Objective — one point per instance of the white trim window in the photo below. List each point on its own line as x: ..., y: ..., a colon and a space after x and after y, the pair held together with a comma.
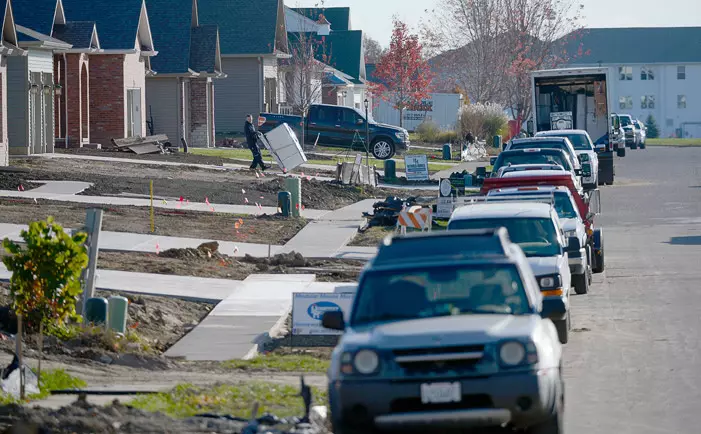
x: 647, y: 102
x: 625, y: 73
x: 625, y: 102
x: 681, y: 101
x: 681, y: 72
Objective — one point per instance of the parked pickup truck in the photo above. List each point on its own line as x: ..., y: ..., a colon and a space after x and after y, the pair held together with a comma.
x: 330, y: 125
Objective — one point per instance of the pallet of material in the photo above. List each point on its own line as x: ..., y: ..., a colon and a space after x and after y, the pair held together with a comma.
x: 142, y: 145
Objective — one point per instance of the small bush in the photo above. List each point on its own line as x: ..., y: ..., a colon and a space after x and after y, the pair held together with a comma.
x: 430, y: 132
x: 652, y: 131
x: 483, y: 120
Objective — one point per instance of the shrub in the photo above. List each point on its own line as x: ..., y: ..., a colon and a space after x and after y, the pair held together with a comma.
x: 652, y: 131
x: 484, y: 120
x: 430, y: 132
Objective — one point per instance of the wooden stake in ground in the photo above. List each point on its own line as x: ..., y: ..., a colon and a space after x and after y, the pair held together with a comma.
x: 153, y: 223
x: 18, y: 348
x: 41, y: 353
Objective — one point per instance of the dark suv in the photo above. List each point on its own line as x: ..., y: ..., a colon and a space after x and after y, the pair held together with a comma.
x: 446, y: 333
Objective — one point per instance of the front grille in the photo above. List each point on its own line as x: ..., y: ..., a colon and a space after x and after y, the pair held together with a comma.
x: 439, y: 360
x: 408, y: 405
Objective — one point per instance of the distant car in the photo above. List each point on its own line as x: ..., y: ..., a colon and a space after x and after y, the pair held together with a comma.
x: 641, y: 131
x: 548, y: 142
x: 548, y: 156
x: 446, y: 333
x: 618, y: 135
x: 584, y: 147
x: 572, y: 223
x: 536, y: 228
x: 629, y: 129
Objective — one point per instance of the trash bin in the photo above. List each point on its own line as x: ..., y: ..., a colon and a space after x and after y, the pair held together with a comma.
x: 390, y: 169
x: 96, y: 310
x: 468, y: 180
x: 284, y: 202
x: 447, y: 152
x: 294, y: 186
x: 117, y: 313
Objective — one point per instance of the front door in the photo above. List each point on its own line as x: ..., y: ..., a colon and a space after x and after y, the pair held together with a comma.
x: 134, y: 113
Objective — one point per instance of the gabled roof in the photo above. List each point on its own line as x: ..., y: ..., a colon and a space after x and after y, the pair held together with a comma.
x: 35, y: 14
x: 634, y: 45
x: 8, y: 40
x: 246, y: 27
x: 30, y: 38
x: 205, y: 55
x: 117, y: 21
x: 338, y: 17
x: 344, y: 51
x: 80, y: 34
x: 171, y: 21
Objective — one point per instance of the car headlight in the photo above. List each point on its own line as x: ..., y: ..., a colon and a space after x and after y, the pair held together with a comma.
x: 512, y: 353
x: 550, y: 282
x: 569, y: 234
x: 400, y: 135
x: 366, y: 362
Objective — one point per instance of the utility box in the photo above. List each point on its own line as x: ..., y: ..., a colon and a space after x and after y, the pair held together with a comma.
x: 283, y: 145
x: 117, y: 313
x: 96, y: 310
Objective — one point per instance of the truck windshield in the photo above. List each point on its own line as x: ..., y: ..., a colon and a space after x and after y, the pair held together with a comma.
x: 580, y: 142
x: 626, y: 120
x: 429, y: 292
x: 536, y: 236
x: 532, y: 158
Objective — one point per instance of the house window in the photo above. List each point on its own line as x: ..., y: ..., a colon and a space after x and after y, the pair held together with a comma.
x: 646, y: 73
x: 625, y: 102
x: 681, y: 72
x: 647, y: 102
x: 625, y: 73
x: 681, y: 101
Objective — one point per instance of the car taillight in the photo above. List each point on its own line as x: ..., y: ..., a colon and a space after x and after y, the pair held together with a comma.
x: 261, y: 120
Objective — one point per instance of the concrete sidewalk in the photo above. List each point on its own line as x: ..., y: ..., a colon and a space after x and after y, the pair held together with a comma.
x: 165, y: 285
x: 326, y: 236
x: 247, y: 318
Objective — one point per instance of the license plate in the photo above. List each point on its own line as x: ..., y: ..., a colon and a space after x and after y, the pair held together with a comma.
x: 440, y: 393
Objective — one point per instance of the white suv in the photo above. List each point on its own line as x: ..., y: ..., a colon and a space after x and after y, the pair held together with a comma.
x: 536, y: 228
x: 584, y: 148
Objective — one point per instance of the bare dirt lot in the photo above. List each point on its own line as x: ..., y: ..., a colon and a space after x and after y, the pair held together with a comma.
x: 201, y: 263
x: 262, y: 229
x: 191, y: 183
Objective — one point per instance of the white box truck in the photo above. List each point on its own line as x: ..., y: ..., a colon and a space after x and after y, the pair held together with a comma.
x: 576, y: 98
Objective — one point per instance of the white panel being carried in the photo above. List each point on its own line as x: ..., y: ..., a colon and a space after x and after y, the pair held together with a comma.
x: 283, y: 145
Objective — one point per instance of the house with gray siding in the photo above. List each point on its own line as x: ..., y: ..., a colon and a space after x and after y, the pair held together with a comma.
x: 180, y: 93
x: 253, y: 38
x: 8, y: 48
x: 31, y: 93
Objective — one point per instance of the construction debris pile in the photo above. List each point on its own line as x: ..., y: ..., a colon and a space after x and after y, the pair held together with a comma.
x: 386, y: 212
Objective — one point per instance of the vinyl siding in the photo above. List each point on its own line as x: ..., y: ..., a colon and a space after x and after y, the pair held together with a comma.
x: 239, y: 94
x: 135, y: 78
x: 162, y: 95
x: 18, y: 99
x: 41, y: 61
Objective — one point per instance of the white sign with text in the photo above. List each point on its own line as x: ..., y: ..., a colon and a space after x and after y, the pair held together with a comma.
x: 309, y: 307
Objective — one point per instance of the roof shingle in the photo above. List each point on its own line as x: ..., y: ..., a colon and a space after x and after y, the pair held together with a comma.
x: 344, y: 51
x: 635, y: 45
x: 245, y: 26
x: 35, y: 14
x: 77, y: 33
x: 170, y: 22
x: 117, y: 21
x: 203, y: 48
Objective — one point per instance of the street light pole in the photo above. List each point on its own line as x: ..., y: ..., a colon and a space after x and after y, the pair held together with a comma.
x: 367, y: 140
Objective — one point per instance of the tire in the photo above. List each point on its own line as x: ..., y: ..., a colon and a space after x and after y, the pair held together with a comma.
x: 642, y: 145
x: 563, y: 329
x: 633, y: 145
x: 621, y: 152
x: 581, y: 283
x: 555, y: 424
x: 382, y: 149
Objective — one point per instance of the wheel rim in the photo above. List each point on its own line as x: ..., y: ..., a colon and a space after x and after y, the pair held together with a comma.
x: 382, y: 149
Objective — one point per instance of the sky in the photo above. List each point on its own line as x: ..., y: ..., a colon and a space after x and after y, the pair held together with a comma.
x: 375, y: 16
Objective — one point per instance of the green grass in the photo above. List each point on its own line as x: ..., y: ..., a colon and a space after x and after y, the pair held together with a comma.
x: 673, y: 142
x: 280, y: 363
x: 237, y: 400
x: 245, y: 155
x: 52, y: 379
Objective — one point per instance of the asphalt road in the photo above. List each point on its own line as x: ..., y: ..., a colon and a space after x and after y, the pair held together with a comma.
x: 633, y: 364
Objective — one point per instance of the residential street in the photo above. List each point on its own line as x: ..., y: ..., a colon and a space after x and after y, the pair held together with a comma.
x: 634, y: 365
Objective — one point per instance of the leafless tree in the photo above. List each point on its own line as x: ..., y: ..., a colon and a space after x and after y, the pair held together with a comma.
x: 373, y: 49
x: 489, y: 47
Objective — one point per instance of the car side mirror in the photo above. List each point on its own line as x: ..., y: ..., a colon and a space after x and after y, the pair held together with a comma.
x: 578, y: 172
x: 333, y: 320
x: 359, y: 122
x: 573, y: 244
x: 586, y: 170
x: 529, y: 127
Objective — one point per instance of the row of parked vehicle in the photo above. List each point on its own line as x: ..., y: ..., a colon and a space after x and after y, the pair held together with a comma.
x: 463, y: 328
x: 627, y: 132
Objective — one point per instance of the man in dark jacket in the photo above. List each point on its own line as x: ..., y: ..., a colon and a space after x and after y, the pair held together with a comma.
x: 252, y: 141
